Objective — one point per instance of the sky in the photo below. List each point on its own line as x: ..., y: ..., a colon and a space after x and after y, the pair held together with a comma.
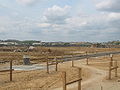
x: 60, y: 20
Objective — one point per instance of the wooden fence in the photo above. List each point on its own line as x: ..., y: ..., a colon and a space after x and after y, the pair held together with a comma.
x: 9, y: 70
x: 68, y: 83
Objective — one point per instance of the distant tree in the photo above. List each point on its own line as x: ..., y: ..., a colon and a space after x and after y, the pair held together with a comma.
x: 66, y: 44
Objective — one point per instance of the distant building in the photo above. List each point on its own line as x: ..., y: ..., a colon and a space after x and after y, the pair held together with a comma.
x: 8, y: 43
x: 39, y: 43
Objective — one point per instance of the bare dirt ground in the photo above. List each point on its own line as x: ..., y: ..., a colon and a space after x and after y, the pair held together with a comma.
x: 99, y: 75
x: 94, y: 75
x: 39, y: 79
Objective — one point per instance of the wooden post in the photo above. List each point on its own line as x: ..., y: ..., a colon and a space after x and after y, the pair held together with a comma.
x: 47, y: 66
x: 62, y: 58
x: 10, y: 70
x: 101, y: 88
x: 111, y: 64
x: 72, y: 61
x: 56, y: 64
x: 111, y: 67
x: 110, y: 71
x: 95, y: 52
x: 86, y: 58
x: 111, y: 56
x: 79, y: 82
x: 64, y: 80
x: 116, y: 68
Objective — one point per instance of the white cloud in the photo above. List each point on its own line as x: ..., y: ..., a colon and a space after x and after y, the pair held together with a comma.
x: 77, y: 21
x: 26, y: 2
x: 58, y: 24
x: 109, y: 5
x: 42, y: 25
x: 114, y: 15
x: 19, y: 29
x: 101, y: 26
x: 56, y: 14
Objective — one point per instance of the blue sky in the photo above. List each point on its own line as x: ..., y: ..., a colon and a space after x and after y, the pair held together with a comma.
x: 60, y: 20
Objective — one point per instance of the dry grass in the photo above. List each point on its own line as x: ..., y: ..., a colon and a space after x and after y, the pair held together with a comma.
x: 103, y: 62
x: 38, y: 54
x: 39, y: 79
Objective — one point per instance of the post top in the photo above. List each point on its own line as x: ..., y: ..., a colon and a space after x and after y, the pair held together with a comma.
x: 111, y: 55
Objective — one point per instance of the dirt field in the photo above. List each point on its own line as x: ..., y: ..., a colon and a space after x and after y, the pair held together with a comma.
x: 98, y: 79
x: 94, y: 75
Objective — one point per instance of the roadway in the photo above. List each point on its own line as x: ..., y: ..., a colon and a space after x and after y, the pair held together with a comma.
x: 78, y: 57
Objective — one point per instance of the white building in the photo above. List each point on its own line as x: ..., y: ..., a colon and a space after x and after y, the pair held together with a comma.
x: 8, y: 43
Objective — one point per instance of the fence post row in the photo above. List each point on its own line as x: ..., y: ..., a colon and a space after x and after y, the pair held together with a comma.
x: 49, y: 64
x: 68, y: 83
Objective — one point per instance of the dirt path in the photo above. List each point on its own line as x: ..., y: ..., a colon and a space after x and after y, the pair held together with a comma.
x: 96, y: 76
